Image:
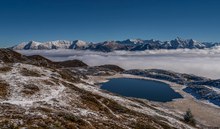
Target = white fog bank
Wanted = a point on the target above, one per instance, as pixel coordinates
(198, 62)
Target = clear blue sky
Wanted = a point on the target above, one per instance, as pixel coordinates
(98, 20)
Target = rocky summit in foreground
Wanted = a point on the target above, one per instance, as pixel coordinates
(37, 93)
(108, 46)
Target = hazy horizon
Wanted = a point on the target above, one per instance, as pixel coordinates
(199, 62)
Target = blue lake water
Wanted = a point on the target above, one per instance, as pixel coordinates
(139, 88)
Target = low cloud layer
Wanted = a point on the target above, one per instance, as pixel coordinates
(198, 62)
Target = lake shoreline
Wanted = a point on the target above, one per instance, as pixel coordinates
(141, 88)
(204, 112)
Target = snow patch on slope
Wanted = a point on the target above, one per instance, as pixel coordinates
(16, 81)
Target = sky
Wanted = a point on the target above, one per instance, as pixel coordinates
(99, 20)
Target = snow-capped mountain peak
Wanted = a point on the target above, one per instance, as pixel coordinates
(32, 45)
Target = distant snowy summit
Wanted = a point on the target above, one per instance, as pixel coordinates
(59, 44)
(108, 46)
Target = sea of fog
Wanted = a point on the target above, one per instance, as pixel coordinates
(199, 62)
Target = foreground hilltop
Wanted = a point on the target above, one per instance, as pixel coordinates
(108, 46)
(39, 93)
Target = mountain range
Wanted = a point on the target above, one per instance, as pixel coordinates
(108, 46)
